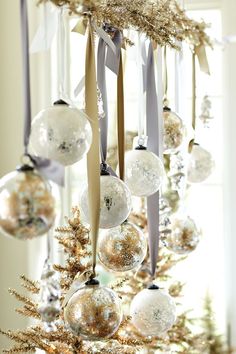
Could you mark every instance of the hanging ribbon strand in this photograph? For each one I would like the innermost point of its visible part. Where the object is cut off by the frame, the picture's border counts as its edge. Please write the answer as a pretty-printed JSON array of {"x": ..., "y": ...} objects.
[
  {"x": 165, "y": 80},
  {"x": 153, "y": 126},
  {"x": 26, "y": 73},
  {"x": 93, "y": 160},
  {"x": 101, "y": 78},
  {"x": 140, "y": 48},
  {"x": 115, "y": 63},
  {"x": 121, "y": 119},
  {"x": 191, "y": 143}
]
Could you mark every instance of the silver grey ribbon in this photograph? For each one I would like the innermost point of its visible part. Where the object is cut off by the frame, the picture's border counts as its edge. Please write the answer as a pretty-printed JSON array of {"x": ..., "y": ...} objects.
[
  {"x": 153, "y": 145},
  {"x": 101, "y": 78},
  {"x": 50, "y": 169},
  {"x": 107, "y": 57},
  {"x": 26, "y": 71}
]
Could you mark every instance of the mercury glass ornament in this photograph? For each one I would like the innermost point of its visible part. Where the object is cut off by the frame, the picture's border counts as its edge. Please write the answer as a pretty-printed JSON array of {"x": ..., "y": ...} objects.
[
  {"x": 93, "y": 312},
  {"x": 174, "y": 132},
  {"x": 61, "y": 133},
  {"x": 122, "y": 248},
  {"x": 27, "y": 207},
  {"x": 200, "y": 164},
  {"x": 144, "y": 172},
  {"x": 115, "y": 202},
  {"x": 153, "y": 312},
  {"x": 184, "y": 235},
  {"x": 49, "y": 297}
]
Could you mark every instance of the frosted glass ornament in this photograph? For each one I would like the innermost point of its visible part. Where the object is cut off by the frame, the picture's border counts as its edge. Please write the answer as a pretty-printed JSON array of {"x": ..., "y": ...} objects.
[
  {"x": 144, "y": 172},
  {"x": 184, "y": 235},
  {"x": 93, "y": 312},
  {"x": 122, "y": 248},
  {"x": 200, "y": 165},
  {"x": 27, "y": 207},
  {"x": 115, "y": 202},
  {"x": 174, "y": 132},
  {"x": 153, "y": 312},
  {"x": 61, "y": 133}
]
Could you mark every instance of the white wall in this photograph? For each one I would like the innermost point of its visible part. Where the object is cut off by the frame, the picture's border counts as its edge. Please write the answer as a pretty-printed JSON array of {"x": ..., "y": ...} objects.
[
  {"x": 16, "y": 257},
  {"x": 229, "y": 77}
]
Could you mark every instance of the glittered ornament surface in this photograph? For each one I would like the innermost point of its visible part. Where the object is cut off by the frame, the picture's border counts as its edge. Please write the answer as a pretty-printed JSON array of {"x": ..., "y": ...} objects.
[
  {"x": 153, "y": 312},
  {"x": 61, "y": 133},
  {"x": 144, "y": 172},
  {"x": 27, "y": 207},
  {"x": 184, "y": 235},
  {"x": 174, "y": 132},
  {"x": 93, "y": 312},
  {"x": 115, "y": 202},
  {"x": 200, "y": 165},
  {"x": 122, "y": 248}
]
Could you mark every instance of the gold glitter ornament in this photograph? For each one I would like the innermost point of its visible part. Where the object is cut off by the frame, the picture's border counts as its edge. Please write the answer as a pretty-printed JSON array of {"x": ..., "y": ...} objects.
[
  {"x": 93, "y": 312},
  {"x": 27, "y": 207},
  {"x": 153, "y": 312},
  {"x": 184, "y": 235},
  {"x": 174, "y": 132},
  {"x": 122, "y": 248}
]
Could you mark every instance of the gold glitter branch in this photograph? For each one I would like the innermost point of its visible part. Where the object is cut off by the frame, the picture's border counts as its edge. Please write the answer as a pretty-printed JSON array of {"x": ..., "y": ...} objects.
[{"x": 163, "y": 21}]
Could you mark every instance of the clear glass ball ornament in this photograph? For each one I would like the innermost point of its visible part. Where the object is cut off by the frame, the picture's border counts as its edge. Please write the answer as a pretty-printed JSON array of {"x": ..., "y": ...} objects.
[
  {"x": 144, "y": 172},
  {"x": 93, "y": 312},
  {"x": 27, "y": 207},
  {"x": 200, "y": 164},
  {"x": 49, "y": 297},
  {"x": 183, "y": 236},
  {"x": 122, "y": 248},
  {"x": 61, "y": 133},
  {"x": 174, "y": 132},
  {"x": 115, "y": 202},
  {"x": 153, "y": 312}
]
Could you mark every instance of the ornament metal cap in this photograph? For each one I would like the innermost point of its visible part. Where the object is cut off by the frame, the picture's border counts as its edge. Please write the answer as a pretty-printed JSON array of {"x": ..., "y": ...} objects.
[
  {"x": 166, "y": 109},
  {"x": 104, "y": 169},
  {"x": 140, "y": 147},
  {"x": 60, "y": 101},
  {"x": 92, "y": 282},
  {"x": 153, "y": 287},
  {"x": 24, "y": 168}
]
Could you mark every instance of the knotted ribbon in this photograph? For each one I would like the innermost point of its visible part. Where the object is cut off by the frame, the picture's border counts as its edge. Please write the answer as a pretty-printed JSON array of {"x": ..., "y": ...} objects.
[{"x": 50, "y": 169}]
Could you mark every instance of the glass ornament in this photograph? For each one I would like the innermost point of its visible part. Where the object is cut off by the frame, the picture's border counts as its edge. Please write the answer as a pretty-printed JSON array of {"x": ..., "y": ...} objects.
[
  {"x": 27, "y": 207},
  {"x": 184, "y": 235},
  {"x": 49, "y": 297},
  {"x": 174, "y": 132},
  {"x": 144, "y": 172},
  {"x": 122, "y": 248},
  {"x": 93, "y": 312},
  {"x": 61, "y": 133},
  {"x": 200, "y": 164},
  {"x": 115, "y": 202},
  {"x": 153, "y": 312}
]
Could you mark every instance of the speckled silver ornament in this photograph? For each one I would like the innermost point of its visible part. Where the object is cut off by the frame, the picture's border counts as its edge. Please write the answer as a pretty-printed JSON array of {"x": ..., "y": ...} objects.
[
  {"x": 61, "y": 133},
  {"x": 153, "y": 312},
  {"x": 144, "y": 172},
  {"x": 115, "y": 202},
  {"x": 200, "y": 165}
]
